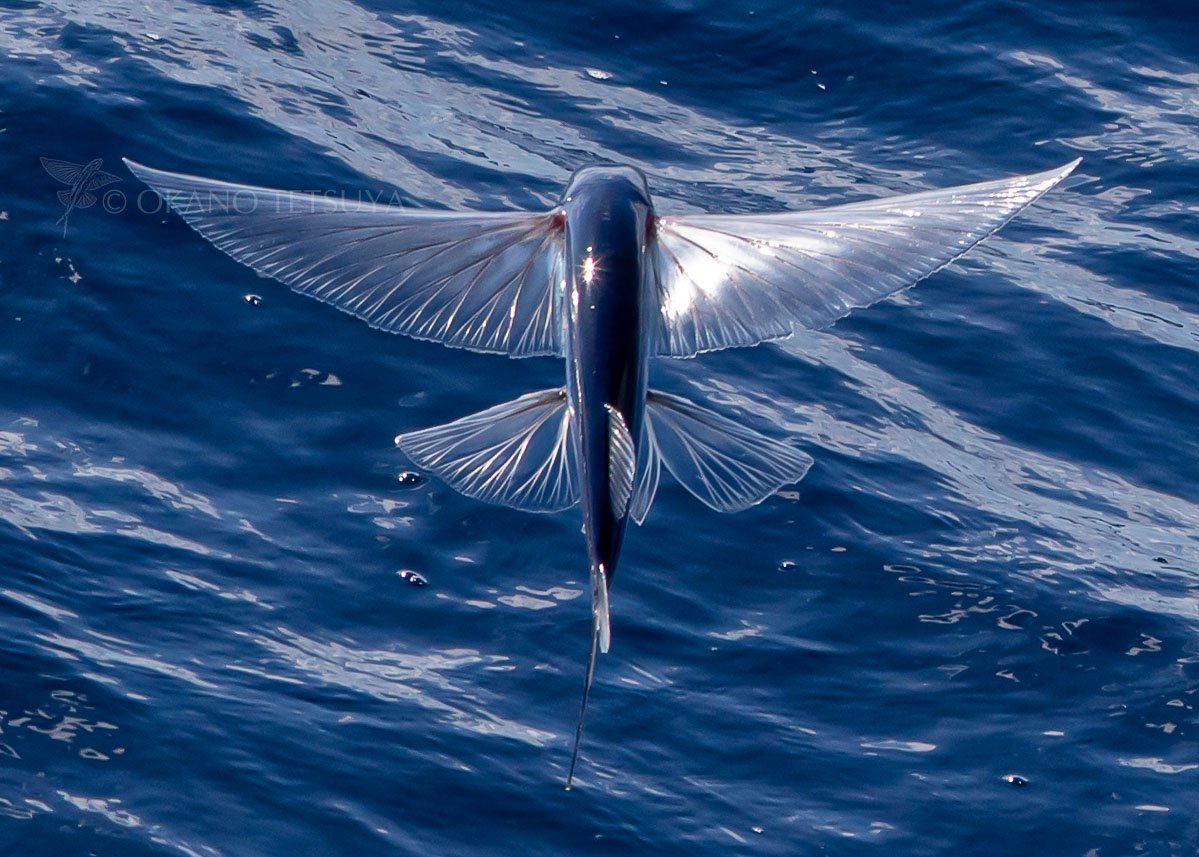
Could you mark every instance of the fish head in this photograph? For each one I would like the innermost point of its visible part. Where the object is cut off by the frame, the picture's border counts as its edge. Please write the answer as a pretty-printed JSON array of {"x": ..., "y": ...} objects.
[
  {"x": 613, "y": 181},
  {"x": 608, "y": 218}
]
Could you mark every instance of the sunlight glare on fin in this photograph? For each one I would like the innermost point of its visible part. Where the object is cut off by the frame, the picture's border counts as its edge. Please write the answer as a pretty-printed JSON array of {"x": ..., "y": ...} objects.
[
  {"x": 603, "y": 616},
  {"x": 740, "y": 279}
]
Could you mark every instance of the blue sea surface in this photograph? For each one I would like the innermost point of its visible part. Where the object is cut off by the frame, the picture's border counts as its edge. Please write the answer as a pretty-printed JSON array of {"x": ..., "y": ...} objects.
[{"x": 973, "y": 629}]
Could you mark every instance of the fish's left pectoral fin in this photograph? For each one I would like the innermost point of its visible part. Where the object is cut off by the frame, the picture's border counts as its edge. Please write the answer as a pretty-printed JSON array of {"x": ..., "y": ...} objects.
[
  {"x": 728, "y": 280},
  {"x": 63, "y": 171},
  {"x": 481, "y": 281},
  {"x": 517, "y": 454},
  {"x": 723, "y": 463}
]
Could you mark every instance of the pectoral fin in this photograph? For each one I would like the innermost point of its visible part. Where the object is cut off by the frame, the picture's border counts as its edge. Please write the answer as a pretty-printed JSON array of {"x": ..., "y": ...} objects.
[
  {"x": 63, "y": 171},
  {"x": 480, "y": 281},
  {"x": 517, "y": 454},
  {"x": 726, "y": 465},
  {"x": 727, "y": 280}
]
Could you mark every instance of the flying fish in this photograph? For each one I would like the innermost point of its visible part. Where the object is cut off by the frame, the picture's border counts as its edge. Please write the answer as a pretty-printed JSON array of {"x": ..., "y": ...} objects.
[
  {"x": 82, "y": 179},
  {"x": 605, "y": 282}
]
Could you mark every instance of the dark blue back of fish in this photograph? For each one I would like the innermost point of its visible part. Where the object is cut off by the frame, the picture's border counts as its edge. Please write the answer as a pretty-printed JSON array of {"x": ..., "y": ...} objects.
[{"x": 607, "y": 210}]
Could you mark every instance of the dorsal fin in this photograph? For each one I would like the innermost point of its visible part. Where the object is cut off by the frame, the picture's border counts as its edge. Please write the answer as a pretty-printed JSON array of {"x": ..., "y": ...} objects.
[{"x": 622, "y": 461}]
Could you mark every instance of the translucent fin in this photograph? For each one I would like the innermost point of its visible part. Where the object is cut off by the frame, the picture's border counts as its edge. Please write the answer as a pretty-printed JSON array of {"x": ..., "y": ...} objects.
[
  {"x": 733, "y": 280},
  {"x": 621, "y": 462},
  {"x": 599, "y": 607},
  {"x": 486, "y": 282},
  {"x": 517, "y": 454},
  {"x": 68, "y": 173},
  {"x": 601, "y": 640},
  {"x": 574, "y": 756},
  {"x": 649, "y": 469},
  {"x": 726, "y": 465},
  {"x": 63, "y": 171}
]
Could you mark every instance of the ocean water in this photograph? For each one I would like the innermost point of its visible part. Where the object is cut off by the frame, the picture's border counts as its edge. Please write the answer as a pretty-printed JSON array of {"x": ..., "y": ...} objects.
[{"x": 971, "y": 630}]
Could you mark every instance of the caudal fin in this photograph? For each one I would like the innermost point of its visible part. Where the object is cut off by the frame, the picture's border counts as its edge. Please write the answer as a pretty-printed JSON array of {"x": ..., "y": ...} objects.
[
  {"x": 601, "y": 639},
  {"x": 574, "y": 756}
]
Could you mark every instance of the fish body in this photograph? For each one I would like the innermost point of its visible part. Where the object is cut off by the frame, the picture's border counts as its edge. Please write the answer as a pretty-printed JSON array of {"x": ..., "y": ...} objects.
[
  {"x": 606, "y": 294},
  {"x": 606, "y": 283},
  {"x": 606, "y": 302}
]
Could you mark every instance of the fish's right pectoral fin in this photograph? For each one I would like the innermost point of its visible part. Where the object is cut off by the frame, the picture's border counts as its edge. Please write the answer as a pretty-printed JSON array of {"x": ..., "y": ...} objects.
[
  {"x": 723, "y": 463},
  {"x": 728, "y": 280},
  {"x": 519, "y": 454}
]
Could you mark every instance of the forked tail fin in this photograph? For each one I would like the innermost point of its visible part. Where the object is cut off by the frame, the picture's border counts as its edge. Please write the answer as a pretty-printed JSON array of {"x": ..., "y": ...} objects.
[
  {"x": 574, "y": 756},
  {"x": 601, "y": 638}
]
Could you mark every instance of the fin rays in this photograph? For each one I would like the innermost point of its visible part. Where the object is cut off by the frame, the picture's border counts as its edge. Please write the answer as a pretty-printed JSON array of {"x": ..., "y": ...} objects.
[
  {"x": 740, "y": 279},
  {"x": 649, "y": 470},
  {"x": 724, "y": 464},
  {"x": 621, "y": 461},
  {"x": 517, "y": 454},
  {"x": 485, "y": 282}
]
